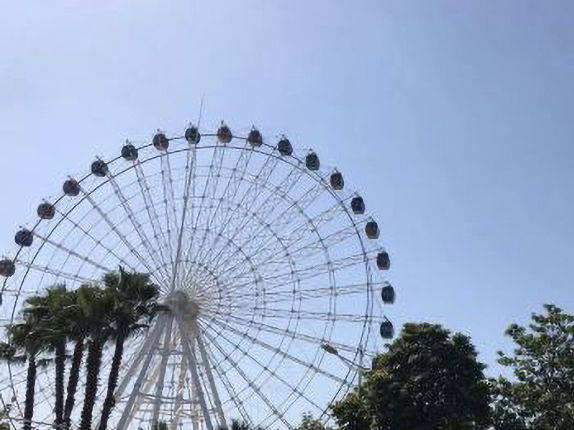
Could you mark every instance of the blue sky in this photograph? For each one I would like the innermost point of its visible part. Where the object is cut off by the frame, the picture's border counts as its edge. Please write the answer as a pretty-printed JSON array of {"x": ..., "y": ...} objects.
[{"x": 453, "y": 119}]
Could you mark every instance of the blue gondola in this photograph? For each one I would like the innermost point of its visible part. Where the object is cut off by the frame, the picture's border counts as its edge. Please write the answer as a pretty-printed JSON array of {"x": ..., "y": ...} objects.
[
  {"x": 372, "y": 230},
  {"x": 255, "y": 139},
  {"x": 46, "y": 211},
  {"x": 7, "y": 268},
  {"x": 160, "y": 141},
  {"x": 312, "y": 161},
  {"x": 358, "y": 205},
  {"x": 192, "y": 135},
  {"x": 387, "y": 330},
  {"x": 224, "y": 134},
  {"x": 336, "y": 180},
  {"x": 383, "y": 260},
  {"x": 71, "y": 188},
  {"x": 99, "y": 168},
  {"x": 129, "y": 152},
  {"x": 284, "y": 147},
  {"x": 388, "y": 294},
  {"x": 24, "y": 238}
]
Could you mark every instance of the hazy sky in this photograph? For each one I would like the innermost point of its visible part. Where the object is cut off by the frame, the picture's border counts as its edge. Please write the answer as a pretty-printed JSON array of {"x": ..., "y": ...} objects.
[{"x": 453, "y": 119}]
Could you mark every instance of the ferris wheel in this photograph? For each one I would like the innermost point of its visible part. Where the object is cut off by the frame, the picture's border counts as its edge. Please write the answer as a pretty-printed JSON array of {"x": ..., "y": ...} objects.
[{"x": 270, "y": 265}]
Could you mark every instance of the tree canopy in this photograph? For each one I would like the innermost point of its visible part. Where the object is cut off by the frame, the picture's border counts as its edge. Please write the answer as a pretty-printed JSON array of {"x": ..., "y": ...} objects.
[
  {"x": 426, "y": 380},
  {"x": 542, "y": 398},
  {"x": 310, "y": 423}
]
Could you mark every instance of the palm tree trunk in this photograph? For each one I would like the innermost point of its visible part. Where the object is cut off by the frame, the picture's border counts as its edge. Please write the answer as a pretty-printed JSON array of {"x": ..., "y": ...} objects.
[
  {"x": 73, "y": 381},
  {"x": 30, "y": 390},
  {"x": 109, "y": 403},
  {"x": 93, "y": 369},
  {"x": 60, "y": 360}
]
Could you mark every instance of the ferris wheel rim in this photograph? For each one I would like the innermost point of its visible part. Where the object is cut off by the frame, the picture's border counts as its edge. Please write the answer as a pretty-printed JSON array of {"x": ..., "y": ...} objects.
[
  {"x": 106, "y": 181},
  {"x": 298, "y": 163}
]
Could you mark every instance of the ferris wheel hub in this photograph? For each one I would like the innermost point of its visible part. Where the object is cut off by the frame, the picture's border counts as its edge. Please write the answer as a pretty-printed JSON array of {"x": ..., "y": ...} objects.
[{"x": 181, "y": 304}]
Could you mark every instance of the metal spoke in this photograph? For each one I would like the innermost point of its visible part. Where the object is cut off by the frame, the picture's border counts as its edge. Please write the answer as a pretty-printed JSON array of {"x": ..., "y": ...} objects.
[
  {"x": 250, "y": 383},
  {"x": 161, "y": 243},
  {"x": 248, "y": 200},
  {"x": 121, "y": 236},
  {"x": 273, "y": 374},
  {"x": 282, "y": 279},
  {"x": 190, "y": 167},
  {"x": 272, "y": 201},
  {"x": 98, "y": 243},
  {"x": 59, "y": 274},
  {"x": 151, "y": 250},
  {"x": 314, "y": 340},
  {"x": 231, "y": 391},
  {"x": 168, "y": 200},
  {"x": 283, "y": 353},
  {"x": 71, "y": 252},
  {"x": 209, "y": 192},
  {"x": 229, "y": 193}
]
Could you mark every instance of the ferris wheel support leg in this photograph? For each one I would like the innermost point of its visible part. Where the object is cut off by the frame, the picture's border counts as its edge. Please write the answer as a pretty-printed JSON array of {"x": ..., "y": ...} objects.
[
  {"x": 139, "y": 381},
  {"x": 144, "y": 351},
  {"x": 179, "y": 396},
  {"x": 160, "y": 382},
  {"x": 146, "y": 389},
  {"x": 213, "y": 387},
  {"x": 187, "y": 347},
  {"x": 232, "y": 393},
  {"x": 195, "y": 414}
]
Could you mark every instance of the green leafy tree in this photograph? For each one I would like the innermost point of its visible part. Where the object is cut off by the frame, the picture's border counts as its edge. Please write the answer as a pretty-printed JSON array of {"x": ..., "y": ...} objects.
[
  {"x": 309, "y": 423},
  {"x": 353, "y": 412},
  {"x": 427, "y": 380},
  {"x": 240, "y": 425},
  {"x": 542, "y": 398},
  {"x": 135, "y": 306}
]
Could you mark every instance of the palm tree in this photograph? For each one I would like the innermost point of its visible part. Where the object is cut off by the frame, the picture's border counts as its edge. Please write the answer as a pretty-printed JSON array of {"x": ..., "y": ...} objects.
[
  {"x": 97, "y": 305},
  {"x": 49, "y": 311},
  {"x": 7, "y": 353},
  {"x": 52, "y": 318},
  {"x": 31, "y": 340},
  {"x": 77, "y": 331},
  {"x": 136, "y": 302}
]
